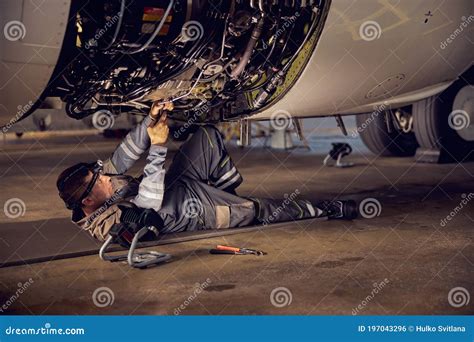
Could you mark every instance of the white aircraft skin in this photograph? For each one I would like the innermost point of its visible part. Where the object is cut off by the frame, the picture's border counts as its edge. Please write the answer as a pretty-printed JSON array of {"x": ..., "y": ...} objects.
[
  {"x": 370, "y": 52},
  {"x": 30, "y": 43},
  {"x": 374, "y": 52}
]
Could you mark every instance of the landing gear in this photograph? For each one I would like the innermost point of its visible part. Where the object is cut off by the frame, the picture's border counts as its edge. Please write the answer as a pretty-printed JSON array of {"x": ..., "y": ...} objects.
[
  {"x": 444, "y": 124},
  {"x": 439, "y": 128},
  {"x": 388, "y": 132}
]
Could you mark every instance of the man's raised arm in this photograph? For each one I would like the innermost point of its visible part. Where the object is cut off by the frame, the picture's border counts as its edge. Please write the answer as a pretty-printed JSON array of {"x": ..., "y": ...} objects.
[
  {"x": 152, "y": 186},
  {"x": 132, "y": 146}
]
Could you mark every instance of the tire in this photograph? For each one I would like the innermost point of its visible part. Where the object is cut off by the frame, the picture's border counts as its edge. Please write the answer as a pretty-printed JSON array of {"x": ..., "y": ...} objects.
[
  {"x": 373, "y": 131},
  {"x": 427, "y": 127},
  {"x": 434, "y": 128}
]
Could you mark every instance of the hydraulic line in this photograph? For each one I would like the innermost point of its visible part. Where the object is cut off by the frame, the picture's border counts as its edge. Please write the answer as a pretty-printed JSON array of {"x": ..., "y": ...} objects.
[
  {"x": 119, "y": 25},
  {"x": 257, "y": 31}
]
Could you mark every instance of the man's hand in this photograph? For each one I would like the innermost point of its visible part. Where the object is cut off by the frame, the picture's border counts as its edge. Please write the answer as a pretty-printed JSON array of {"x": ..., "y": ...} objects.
[
  {"x": 157, "y": 109},
  {"x": 159, "y": 131}
]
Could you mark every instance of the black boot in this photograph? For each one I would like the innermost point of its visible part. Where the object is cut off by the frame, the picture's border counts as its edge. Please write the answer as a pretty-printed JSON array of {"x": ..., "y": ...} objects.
[{"x": 339, "y": 209}]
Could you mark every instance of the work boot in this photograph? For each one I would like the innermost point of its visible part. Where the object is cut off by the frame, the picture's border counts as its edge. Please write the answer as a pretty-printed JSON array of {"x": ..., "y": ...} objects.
[{"x": 339, "y": 209}]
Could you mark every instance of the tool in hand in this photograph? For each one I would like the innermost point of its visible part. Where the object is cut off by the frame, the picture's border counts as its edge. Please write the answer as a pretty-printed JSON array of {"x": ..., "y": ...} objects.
[{"x": 235, "y": 250}]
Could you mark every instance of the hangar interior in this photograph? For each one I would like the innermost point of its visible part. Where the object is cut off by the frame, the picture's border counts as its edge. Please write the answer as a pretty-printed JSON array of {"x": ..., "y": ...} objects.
[{"x": 364, "y": 103}]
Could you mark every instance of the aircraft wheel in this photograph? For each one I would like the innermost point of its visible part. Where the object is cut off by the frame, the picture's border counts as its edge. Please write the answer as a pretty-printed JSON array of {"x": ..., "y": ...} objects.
[
  {"x": 386, "y": 137},
  {"x": 446, "y": 122}
]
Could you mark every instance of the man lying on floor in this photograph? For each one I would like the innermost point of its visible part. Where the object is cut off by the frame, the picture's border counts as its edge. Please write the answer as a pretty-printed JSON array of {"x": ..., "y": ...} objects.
[{"x": 197, "y": 193}]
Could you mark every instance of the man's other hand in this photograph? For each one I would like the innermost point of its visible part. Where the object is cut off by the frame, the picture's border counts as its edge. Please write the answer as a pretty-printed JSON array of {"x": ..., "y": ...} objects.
[{"x": 159, "y": 131}]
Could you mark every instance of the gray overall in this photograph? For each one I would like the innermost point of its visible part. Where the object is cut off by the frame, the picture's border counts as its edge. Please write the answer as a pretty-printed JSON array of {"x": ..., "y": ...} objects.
[{"x": 197, "y": 192}]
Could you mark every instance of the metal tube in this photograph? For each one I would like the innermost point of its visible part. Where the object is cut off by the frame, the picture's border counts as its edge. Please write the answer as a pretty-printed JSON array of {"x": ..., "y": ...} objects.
[
  {"x": 119, "y": 25},
  {"x": 245, "y": 132},
  {"x": 257, "y": 31}
]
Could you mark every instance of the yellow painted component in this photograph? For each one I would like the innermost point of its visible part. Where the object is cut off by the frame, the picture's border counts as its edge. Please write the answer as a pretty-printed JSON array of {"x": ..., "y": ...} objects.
[
  {"x": 297, "y": 66},
  {"x": 154, "y": 17}
]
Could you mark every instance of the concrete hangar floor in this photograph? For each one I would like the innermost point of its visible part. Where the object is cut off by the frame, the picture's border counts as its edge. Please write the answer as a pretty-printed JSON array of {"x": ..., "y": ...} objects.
[{"x": 410, "y": 259}]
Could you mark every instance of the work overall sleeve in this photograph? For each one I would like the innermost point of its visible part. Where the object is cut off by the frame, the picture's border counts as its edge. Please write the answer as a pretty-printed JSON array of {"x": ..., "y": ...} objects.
[
  {"x": 130, "y": 149},
  {"x": 152, "y": 186}
]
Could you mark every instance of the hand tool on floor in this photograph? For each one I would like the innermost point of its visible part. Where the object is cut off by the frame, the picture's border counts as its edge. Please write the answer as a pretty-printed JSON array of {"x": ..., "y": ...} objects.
[{"x": 220, "y": 249}]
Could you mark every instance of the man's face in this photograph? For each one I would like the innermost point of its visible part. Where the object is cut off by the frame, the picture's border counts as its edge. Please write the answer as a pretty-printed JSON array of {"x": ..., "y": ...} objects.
[{"x": 101, "y": 191}]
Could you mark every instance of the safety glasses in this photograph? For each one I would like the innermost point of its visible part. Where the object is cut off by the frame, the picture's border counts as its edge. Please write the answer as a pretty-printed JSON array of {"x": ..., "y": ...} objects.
[
  {"x": 97, "y": 169},
  {"x": 82, "y": 170}
]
